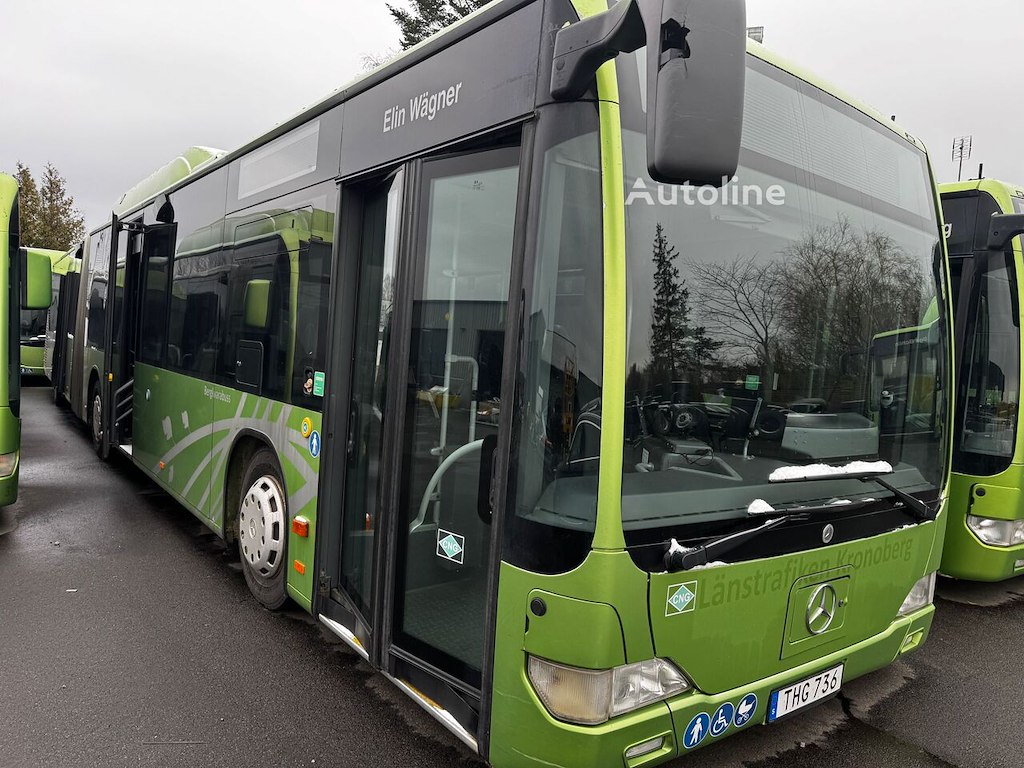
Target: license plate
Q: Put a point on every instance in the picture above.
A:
(803, 694)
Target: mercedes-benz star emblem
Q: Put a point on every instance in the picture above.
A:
(828, 533)
(821, 609)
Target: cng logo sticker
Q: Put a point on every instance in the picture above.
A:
(451, 546)
(682, 598)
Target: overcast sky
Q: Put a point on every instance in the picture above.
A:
(110, 90)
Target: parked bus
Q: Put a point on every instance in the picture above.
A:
(33, 321)
(415, 349)
(24, 283)
(985, 536)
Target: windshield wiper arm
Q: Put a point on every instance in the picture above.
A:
(922, 512)
(919, 509)
(680, 559)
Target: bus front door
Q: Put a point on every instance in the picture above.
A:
(425, 357)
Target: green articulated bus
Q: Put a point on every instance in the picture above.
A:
(555, 400)
(33, 321)
(24, 284)
(985, 536)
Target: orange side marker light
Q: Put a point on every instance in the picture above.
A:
(300, 526)
(300, 567)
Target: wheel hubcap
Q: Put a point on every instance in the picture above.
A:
(97, 418)
(261, 528)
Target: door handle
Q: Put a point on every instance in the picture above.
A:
(485, 489)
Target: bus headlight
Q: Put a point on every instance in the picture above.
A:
(590, 697)
(998, 533)
(8, 463)
(921, 594)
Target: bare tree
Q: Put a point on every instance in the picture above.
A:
(742, 303)
(839, 289)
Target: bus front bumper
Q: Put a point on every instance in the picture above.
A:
(654, 735)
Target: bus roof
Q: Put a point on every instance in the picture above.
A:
(998, 189)
(776, 60)
(167, 176)
(443, 39)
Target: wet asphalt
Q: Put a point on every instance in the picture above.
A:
(128, 638)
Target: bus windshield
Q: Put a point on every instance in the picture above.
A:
(988, 378)
(789, 318)
(33, 327)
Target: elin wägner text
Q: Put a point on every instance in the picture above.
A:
(425, 106)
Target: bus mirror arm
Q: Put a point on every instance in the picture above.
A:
(696, 76)
(582, 47)
(1004, 227)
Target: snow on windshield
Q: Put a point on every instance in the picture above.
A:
(809, 471)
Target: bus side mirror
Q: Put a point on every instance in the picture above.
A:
(257, 304)
(36, 280)
(1004, 227)
(696, 75)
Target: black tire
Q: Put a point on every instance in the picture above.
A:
(262, 507)
(96, 418)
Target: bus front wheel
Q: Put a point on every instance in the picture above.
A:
(263, 530)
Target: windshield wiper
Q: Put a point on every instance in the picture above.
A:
(919, 509)
(681, 559)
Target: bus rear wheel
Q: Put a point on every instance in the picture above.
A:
(263, 530)
(96, 419)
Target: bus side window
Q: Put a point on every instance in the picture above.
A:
(311, 319)
(197, 288)
(254, 357)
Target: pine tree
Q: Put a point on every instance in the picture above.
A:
(425, 17)
(61, 223)
(676, 347)
(49, 218)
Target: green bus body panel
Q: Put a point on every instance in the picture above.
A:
(32, 360)
(8, 197)
(965, 556)
(729, 644)
(185, 430)
(753, 613)
(10, 425)
(10, 441)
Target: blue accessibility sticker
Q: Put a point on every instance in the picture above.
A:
(722, 719)
(745, 710)
(314, 444)
(696, 730)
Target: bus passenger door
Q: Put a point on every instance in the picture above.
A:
(455, 311)
(427, 265)
(149, 440)
(406, 534)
